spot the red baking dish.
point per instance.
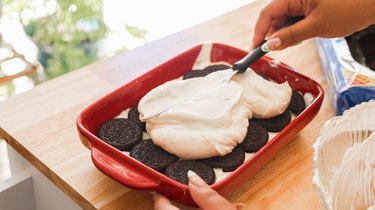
(136, 175)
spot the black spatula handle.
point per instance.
(259, 51)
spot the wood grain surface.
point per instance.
(40, 124)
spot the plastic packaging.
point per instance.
(346, 63)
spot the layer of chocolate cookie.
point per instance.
(275, 124)
(152, 155)
(297, 103)
(205, 71)
(256, 137)
(178, 171)
(134, 116)
(227, 162)
(216, 67)
(120, 133)
(193, 73)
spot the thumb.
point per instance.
(205, 197)
(292, 35)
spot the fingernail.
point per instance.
(274, 43)
(195, 179)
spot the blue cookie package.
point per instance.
(349, 68)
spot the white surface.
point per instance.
(42, 191)
(4, 162)
(17, 193)
(48, 196)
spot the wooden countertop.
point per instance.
(40, 124)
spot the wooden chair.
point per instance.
(29, 69)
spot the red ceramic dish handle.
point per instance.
(122, 170)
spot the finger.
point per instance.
(270, 32)
(162, 203)
(204, 196)
(278, 23)
(273, 11)
(293, 34)
(275, 25)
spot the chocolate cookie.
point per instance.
(178, 171)
(120, 133)
(216, 67)
(152, 155)
(193, 73)
(206, 71)
(297, 103)
(275, 124)
(133, 115)
(227, 162)
(256, 137)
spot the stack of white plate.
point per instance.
(344, 160)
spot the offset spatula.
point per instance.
(254, 55)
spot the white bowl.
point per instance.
(344, 160)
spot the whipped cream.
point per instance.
(265, 99)
(202, 117)
(208, 116)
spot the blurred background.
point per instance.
(43, 39)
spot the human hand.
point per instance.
(202, 194)
(323, 18)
